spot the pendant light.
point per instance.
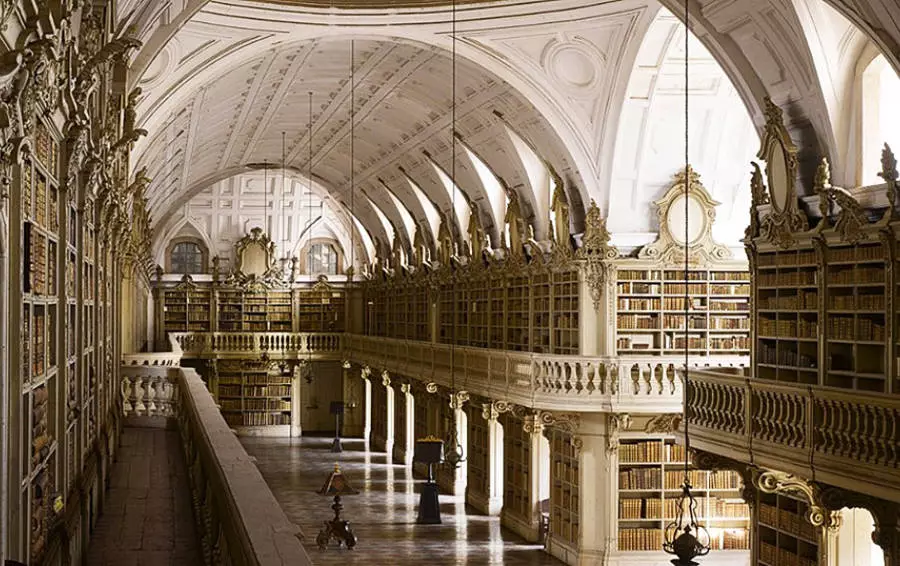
(685, 537)
(309, 375)
(286, 258)
(453, 450)
(351, 269)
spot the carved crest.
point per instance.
(686, 215)
(255, 264)
(783, 219)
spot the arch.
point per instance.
(879, 116)
(184, 226)
(649, 149)
(187, 244)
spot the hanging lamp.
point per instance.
(453, 450)
(685, 537)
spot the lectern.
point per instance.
(430, 451)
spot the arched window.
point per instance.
(880, 116)
(186, 257)
(322, 258)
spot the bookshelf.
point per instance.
(565, 496)
(650, 474)
(186, 309)
(319, 309)
(784, 535)
(517, 467)
(45, 251)
(822, 316)
(478, 457)
(650, 305)
(252, 394)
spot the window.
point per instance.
(187, 257)
(880, 115)
(322, 258)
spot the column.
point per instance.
(405, 405)
(297, 400)
(367, 403)
(489, 498)
(389, 417)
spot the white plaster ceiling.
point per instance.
(223, 79)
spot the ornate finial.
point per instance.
(758, 191)
(821, 184)
(889, 174)
(774, 114)
(337, 468)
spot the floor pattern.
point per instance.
(383, 514)
(147, 519)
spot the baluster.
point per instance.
(150, 403)
(127, 407)
(139, 408)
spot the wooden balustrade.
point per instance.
(847, 439)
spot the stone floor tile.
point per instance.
(148, 498)
(383, 514)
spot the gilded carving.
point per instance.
(596, 254)
(559, 210)
(515, 225)
(759, 196)
(255, 264)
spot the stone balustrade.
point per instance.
(280, 345)
(149, 383)
(844, 438)
(543, 381)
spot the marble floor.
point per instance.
(146, 518)
(383, 514)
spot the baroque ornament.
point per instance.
(784, 218)
(851, 220)
(818, 514)
(670, 247)
(596, 254)
(890, 176)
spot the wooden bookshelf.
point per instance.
(44, 250)
(478, 457)
(650, 311)
(785, 537)
(651, 471)
(517, 467)
(565, 498)
(824, 320)
(254, 393)
(319, 309)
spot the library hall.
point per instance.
(449, 282)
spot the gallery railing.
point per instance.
(839, 437)
(546, 381)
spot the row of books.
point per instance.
(783, 557)
(787, 259)
(855, 275)
(790, 328)
(806, 300)
(662, 509)
(787, 279)
(653, 451)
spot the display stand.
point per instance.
(429, 451)
(337, 409)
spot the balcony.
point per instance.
(543, 381)
(848, 439)
(237, 517)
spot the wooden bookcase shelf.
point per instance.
(651, 471)
(565, 498)
(253, 393)
(822, 317)
(650, 310)
(784, 535)
(533, 310)
(517, 467)
(200, 307)
(478, 458)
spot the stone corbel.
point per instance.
(819, 515)
(385, 378)
(615, 424)
(431, 387)
(458, 399)
(566, 422)
(365, 372)
(405, 388)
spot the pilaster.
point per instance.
(389, 418)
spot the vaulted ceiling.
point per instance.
(222, 79)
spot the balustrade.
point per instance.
(843, 438)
